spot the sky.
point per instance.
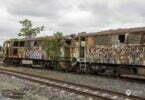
(70, 16)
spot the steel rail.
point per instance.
(67, 86)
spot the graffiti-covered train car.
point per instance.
(120, 51)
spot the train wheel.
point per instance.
(96, 69)
(82, 68)
(66, 66)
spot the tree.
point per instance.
(52, 45)
(28, 30)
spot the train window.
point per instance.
(68, 42)
(35, 43)
(103, 40)
(134, 38)
(114, 39)
(82, 38)
(29, 43)
(143, 38)
(22, 43)
(15, 44)
(121, 38)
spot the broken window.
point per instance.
(121, 38)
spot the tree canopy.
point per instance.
(28, 29)
(52, 45)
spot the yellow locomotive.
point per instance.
(120, 51)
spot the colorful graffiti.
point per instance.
(118, 54)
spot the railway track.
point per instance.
(93, 93)
(130, 78)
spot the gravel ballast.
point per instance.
(137, 89)
(34, 91)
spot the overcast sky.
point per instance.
(70, 16)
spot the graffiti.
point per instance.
(124, 54)
(35, 54)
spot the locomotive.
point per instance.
(119, 51)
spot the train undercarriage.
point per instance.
(79, 67)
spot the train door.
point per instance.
(82, 47)
(82, 52)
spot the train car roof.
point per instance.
(117, 31)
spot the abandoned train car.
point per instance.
(120, 51)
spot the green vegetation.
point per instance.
(53, 44)
(28, 29)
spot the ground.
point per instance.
(33, 91)
(137, 89)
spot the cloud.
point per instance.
(8, 25)
(70, 16)
(37, 8)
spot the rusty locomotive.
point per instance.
(120, 51)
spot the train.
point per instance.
(117, 52)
